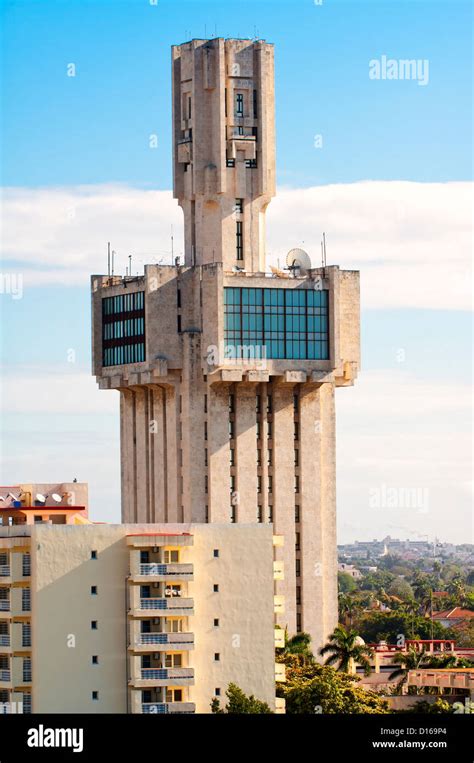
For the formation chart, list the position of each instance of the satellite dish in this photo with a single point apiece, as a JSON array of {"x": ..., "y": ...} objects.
[
  {"x": 56, "y": 497},
  {"x": 298, "y": 260},
  {"x": 40, "y": 498}
]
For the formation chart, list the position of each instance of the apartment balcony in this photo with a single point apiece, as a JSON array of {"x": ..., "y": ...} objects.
[
  {"x": 279, "y": 638},
  {"x": 161, "y": 642},
  {"x": 279, "y": 604},
  {"x": 162, "y": 607},
  {"x": 280, "y": 672},
  {"x": 152, "y": 572},
  {"x": 148, "y": 677},
  {"x": 180, "y": 708}
]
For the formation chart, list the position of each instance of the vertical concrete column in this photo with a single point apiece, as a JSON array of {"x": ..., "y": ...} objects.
[
  {"x": 246, "y": 433},
  {"x": 159, "y": 495},
  {"x": 173, "y": 508},
  {"x": 284, "y": 498},
  {"x": 192, "y": 390},
  {"x": 218, "y": 453},
  {"x": 141, "y": 454},
  {"x": 127, "y": 455},
  {"x": 311, "y": 541},
  {"x": 328, "y": 506}
]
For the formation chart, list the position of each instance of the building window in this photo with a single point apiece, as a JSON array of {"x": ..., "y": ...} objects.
[
  {"x": 189, "y": 107},
  {"x": 298, "y": 622},
  {"x": 216, "y": 622},
  {"x": 93, "y": 590},
  {"x": 239, "y": 241},
  {"x": 270, "y": 514},
  {"x": 298, "y": 568},
  {"x": 216, "y": 552},
  {"x": 217, "y": 692},
  {"x": 206, "y": 483},
  {"x": 26, "y": 600},
  {"x": 259, "y": 456},
  {"x": 269, "y": 404},
  {"x": 26, "y": 699},
  {"x": 255, "y": 107},
  {"x": 95, "y": 695},
  {"x": 260, "y": 513},
  {"x": 297, "y": 543},
  {"x": 233, "y": 514},
  {"x": 230, "y": 162},
  {"x": 239, "y": 206},
  {"x": 232, "y": 456},
  {"x": 269, "y": 429},
  {"x": 216, "y": 587},
  {"x": 205, "y": 457},
  {"x": 251, "y": 164},
  {"x": 217, "y": 657},
  {"x": 205, "y": 403},
  {"x": 95, "y": 659},
  {"x": 259, "y": 483},
  {"x": 297, "y": 514},
  {"x": 297, "y": 457},
  {"x": 296, "y": 430},
  {"x": 231, "y": 403},
  {"x": 284, "y": 323},
  {"x": 270, "y": 483},
  {"x": 27, "y": 670},
  {"x": 297, "y": 484},
  {"x": 179, "y": 324},
  {"x": 205, "y": 430},
  {"x": 269, "y": 456},
  {"x": 258, "y": 430},
  {"x": 93, "y": 554},
  {"x": 26, "y": 634},
  {"x": 298, "y": 595},
  {"x": 26, "y": 565},
  {"x": 231, "y": 430},
  {"x": 123, "y": 329},
  {"x": 94, "y": 625},
  {"x": 239, "y": 104},
  {"x": 295, "y": 403}
]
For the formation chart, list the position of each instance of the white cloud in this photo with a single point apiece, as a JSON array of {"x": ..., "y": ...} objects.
[
  {"x": 411, "y": 241},
  {"x": 398, "y": 431}
]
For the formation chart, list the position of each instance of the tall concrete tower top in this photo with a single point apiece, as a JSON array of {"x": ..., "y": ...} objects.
[{"x": 224, "y": 149}]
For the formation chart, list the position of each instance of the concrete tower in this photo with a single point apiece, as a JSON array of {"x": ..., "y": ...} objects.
[{"x": 226, "y": 372}]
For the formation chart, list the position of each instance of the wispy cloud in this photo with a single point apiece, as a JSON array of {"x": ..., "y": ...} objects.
[{"x": 411, "y": 241}]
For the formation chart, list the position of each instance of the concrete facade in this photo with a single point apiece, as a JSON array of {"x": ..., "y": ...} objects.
[
  {"x": 136, "y": 618},
  {"x": 207, "y": 437}
]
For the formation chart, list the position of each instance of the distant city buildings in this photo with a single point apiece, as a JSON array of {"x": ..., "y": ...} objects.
[{"x": 409, "y": 550}]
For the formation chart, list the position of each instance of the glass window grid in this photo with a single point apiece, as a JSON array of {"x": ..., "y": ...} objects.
[
  {"x": 290, "y": 323},
  {"x": 123, "y": 329}
]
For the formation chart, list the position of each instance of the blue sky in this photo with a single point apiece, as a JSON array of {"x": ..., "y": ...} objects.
[{"x": 61, "y": 133}]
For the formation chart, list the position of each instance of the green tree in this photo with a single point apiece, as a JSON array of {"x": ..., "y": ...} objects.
[
  {"x": 239, "y": 703},
  {"x": 346, "y": 582},
  {"x": 345, "y": 649},
  {"x": 313, "y": 689},
  {"x": 401, "y": 588},
  {"x": 387, "y": 626},
  {"x": 349, "y": 608}
]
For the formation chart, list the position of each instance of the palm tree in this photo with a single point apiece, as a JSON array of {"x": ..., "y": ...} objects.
[
  {"x": 298, "y": 644},
  {"x": 349, "y": 606},
  {"x": 410, "y": 660},
  {"x": 346, "y": 649}
]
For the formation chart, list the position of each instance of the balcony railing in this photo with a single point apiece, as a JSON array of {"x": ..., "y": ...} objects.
[
  {"x": 5, "y": 675},
  {"x": 163, "y": 674},
  {"x": 171, "y": 603},
  {"x": 165, "y": 638},
  {"x": 4, "y": 605},
  {"x": 173, "y": 570},
  {"x": 168, "y": 707},
  {"x": 4, "y": 640},
  {"x": 4, "y": 570}
]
